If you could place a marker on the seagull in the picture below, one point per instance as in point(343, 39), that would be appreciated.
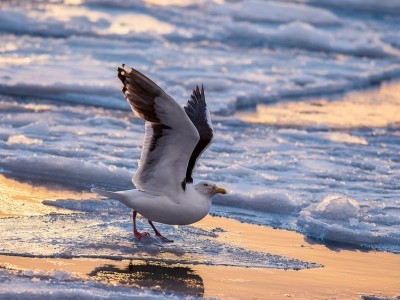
point(175, 138)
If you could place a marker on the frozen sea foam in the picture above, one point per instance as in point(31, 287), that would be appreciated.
point(339, 219)
point(336, 207)
point(264, 51)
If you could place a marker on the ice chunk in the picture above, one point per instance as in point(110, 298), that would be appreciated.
point(337, 207)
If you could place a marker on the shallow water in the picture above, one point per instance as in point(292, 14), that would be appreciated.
point(244, 53)
point(328, 182)
point(314, 158)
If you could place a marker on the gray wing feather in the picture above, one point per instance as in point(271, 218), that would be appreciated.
point(170, 135)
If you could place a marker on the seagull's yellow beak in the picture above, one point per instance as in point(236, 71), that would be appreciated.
point(219, 190)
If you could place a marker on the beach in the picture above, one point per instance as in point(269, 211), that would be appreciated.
point(304, 98)
point(342, 273)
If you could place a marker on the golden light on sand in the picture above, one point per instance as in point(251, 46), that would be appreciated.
point(377, 108)
point(346, 274)
point(22, 199)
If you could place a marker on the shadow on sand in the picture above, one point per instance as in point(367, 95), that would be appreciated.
point(168, 279)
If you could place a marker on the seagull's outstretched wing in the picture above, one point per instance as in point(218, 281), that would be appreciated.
point(170, 136)
point(197, 111)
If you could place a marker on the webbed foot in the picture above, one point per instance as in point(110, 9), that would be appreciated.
point(164, 239)
point(140, 235)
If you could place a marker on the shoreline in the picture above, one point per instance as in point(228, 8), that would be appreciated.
point(347, 274)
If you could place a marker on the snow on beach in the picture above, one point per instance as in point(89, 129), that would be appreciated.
point(64, 120)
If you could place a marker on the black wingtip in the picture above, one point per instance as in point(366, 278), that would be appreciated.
point(198, 94)
point(183, 184)
point(121, 75)
point(196, 110)
point(121, 71)
point(194, 93)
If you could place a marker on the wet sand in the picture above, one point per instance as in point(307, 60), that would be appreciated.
point(347, 273)
point(378, 107)
point(23, 199)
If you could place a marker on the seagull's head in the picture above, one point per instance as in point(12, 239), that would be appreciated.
point(208, 188)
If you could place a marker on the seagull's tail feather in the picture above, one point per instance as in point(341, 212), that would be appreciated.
point(105, 193)
point(125, 197)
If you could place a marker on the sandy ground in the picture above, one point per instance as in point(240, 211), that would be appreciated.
point(378, 107)
point(347, 274)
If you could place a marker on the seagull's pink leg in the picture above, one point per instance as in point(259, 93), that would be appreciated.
point(136, 233)
point(159, 235)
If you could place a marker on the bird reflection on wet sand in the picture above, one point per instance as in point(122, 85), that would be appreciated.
point(169, 279)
